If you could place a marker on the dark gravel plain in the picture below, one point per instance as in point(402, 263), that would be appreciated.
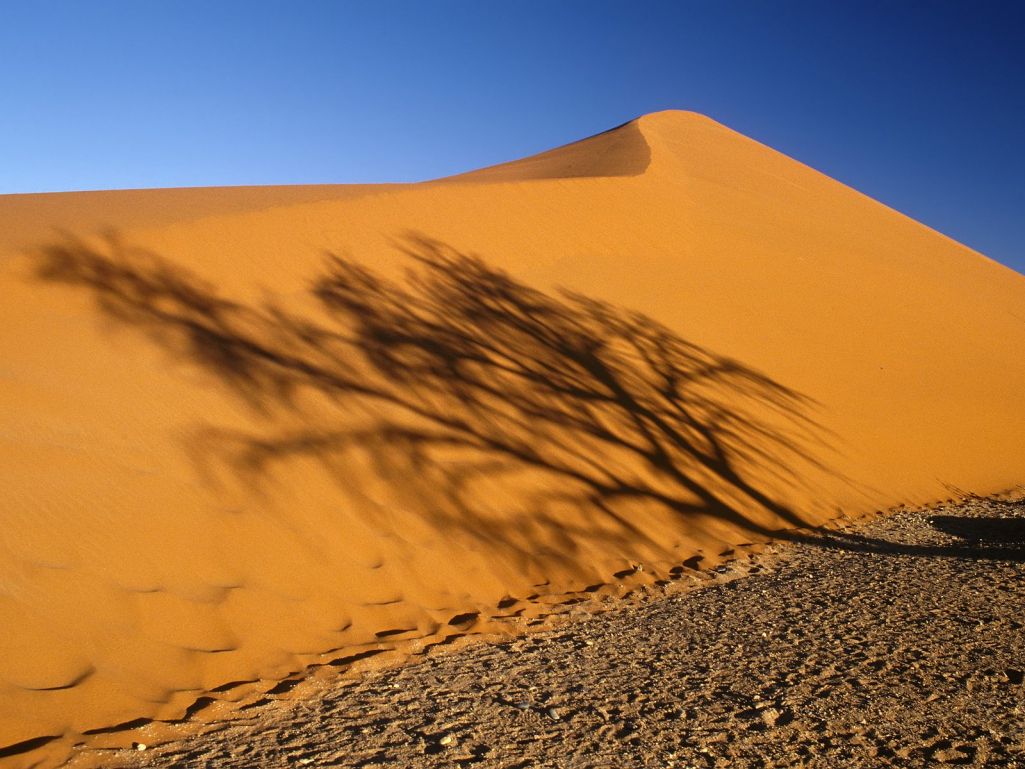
point(896, 643)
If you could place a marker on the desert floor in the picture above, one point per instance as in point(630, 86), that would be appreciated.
point(896, 643)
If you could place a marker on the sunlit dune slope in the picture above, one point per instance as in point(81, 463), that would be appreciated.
point(225, 453)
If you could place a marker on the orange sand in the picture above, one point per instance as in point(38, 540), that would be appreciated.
point(209, 477)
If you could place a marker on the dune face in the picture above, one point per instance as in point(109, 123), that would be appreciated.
point(246, 430)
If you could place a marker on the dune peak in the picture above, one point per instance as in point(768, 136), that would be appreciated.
point(673, 115)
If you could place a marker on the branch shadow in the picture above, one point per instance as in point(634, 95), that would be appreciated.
point(461, 376)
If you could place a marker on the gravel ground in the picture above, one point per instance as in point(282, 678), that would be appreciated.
point(899, 643)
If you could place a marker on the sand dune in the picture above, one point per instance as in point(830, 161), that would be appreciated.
point(247, 430)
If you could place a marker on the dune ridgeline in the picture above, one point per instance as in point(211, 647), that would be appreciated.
point(248, 430)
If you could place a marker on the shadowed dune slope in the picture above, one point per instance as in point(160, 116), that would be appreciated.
point(621, 151)
point(244, 428)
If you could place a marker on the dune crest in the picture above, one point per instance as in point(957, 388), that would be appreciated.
point(246, 431)
point(620, 151)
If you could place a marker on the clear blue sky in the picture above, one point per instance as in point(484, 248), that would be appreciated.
point(918, 104)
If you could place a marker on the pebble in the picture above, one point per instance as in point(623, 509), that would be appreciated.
point(770, 716)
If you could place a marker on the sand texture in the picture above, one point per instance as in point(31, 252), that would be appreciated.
point(900, 644)
point(248, 431)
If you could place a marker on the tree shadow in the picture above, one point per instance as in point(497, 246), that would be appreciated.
point(993, 529)
point(970, 537)
point(459, 377)
point(965, 551)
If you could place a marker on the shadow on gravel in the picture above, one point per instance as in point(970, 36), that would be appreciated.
point(992, 538)
point(1008, 531)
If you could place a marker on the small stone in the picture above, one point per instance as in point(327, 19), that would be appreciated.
point(448, 739)
point(553, 713)
point(775, 717)
point(139, 745)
